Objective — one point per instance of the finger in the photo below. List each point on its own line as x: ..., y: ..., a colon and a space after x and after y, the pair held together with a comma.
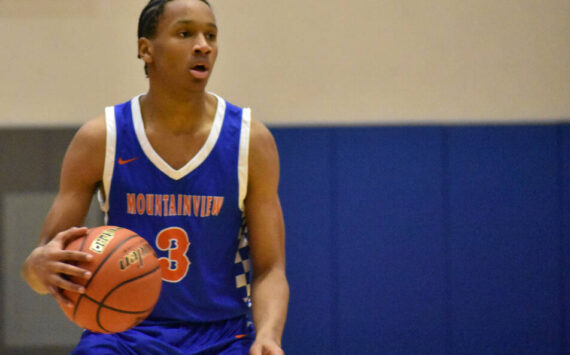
x: 59, y: 297
x: 70, y: 234
x: 272, y: 349
x: 73, y: 255
x: 269, y: 351
x: 63, y: 284
x: 70, y: 270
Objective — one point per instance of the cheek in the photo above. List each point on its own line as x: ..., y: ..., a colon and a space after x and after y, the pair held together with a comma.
x: 170, y: 52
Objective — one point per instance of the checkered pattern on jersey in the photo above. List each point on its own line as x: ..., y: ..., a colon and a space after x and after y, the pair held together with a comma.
x: 243, y: 264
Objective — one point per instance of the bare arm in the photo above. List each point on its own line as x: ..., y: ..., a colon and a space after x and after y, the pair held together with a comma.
x: 81, y: 172
x: 270, y: 290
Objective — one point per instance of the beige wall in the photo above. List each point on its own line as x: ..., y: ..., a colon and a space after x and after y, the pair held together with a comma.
x: 298, y: 61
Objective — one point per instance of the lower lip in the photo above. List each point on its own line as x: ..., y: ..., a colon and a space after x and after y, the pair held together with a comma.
x: 199, y: 74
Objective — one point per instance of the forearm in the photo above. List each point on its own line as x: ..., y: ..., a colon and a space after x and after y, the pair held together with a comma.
x: 270, y: 298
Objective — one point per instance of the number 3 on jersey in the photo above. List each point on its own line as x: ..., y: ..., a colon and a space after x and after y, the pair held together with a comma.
x: 175, y: 241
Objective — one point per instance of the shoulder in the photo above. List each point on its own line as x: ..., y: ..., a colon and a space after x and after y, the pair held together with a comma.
x: 263, y: 152
x: 87, y: 149
x: 260, y: 135
x: 90, y: 138
x: 262, y: 141
x: 263, y: 156
x: 93, y: 131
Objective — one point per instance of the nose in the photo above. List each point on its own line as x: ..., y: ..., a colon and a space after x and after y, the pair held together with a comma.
x: 201, y: 45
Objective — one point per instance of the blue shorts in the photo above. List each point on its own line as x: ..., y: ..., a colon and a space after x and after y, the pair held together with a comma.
x: 233, y: 336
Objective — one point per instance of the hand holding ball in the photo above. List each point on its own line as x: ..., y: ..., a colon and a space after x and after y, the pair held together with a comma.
x: 125, y: 283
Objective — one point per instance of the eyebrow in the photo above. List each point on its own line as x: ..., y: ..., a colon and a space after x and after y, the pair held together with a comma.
x: 190, y: 22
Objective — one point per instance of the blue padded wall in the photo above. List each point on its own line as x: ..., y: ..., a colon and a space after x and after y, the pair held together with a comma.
x: 503, y: 215
x: 564, y: 163
x: 388, y: 228
x: 431, y: 240
x: 307, y: 203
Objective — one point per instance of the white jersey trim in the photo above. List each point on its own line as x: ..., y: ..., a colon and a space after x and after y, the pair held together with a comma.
x: 198, y: 159
x: 243, y: 156
x: 110, y: 149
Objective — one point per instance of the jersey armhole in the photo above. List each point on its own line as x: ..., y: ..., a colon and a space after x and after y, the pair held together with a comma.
x: 243, y: 156
x: 110, y: 147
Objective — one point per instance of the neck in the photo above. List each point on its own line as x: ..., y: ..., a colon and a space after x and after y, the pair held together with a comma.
x: 177, y: 112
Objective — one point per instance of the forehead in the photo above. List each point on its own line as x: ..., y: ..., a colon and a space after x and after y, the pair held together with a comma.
x: 187, y: 10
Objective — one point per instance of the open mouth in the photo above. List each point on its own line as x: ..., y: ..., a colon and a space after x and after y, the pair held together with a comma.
x: 200, y: 68
x: 200, y: 71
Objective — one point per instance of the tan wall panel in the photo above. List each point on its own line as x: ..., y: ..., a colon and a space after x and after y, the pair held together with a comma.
x: 296, y: 61
x: 63, y: 68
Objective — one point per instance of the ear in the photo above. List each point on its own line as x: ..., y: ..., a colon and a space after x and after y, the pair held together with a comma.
x: 145, y: 50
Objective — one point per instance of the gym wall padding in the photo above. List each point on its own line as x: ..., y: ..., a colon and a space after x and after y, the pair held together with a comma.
x: 564, y: 206
x: 400, y: 239
x: 504, y: 234
x: 427, y: 240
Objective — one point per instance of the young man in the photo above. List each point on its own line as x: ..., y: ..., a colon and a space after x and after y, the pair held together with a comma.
x: 198, y: 179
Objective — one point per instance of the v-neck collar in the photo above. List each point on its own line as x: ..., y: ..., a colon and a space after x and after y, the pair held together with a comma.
x: 196, y: 160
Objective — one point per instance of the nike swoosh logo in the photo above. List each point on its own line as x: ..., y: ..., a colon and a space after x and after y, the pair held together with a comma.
x: 123, y: 162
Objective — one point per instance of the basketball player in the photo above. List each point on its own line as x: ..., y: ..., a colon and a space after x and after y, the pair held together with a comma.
x: 194, y: 175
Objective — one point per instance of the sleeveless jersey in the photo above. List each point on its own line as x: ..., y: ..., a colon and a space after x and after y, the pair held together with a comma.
x: 193, y: 216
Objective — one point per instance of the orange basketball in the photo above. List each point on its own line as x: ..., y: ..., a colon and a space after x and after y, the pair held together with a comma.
x: 125, y: 282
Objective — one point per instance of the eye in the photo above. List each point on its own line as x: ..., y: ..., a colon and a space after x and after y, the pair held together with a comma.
x: 184, y: 34
x: 211, y: 36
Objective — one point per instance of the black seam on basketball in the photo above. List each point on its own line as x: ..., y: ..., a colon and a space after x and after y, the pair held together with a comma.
x: 108, y: 256
x: 83, y: 241
x: 102, y: 303
x: 98, y: 268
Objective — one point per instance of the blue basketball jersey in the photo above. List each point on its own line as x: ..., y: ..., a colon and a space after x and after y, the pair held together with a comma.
x: 193, y: 216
